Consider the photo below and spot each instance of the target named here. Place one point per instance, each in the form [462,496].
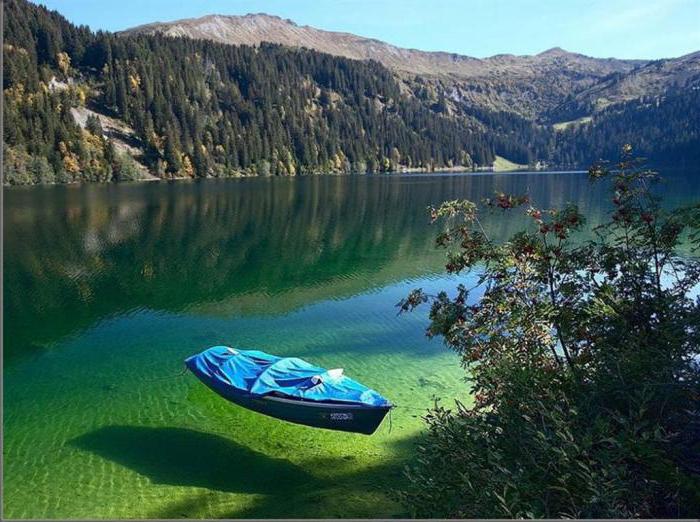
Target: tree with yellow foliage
[63,61]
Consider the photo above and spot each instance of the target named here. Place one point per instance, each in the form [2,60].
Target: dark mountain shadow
[183,457]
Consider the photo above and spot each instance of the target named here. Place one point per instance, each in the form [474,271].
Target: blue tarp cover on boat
[258,374]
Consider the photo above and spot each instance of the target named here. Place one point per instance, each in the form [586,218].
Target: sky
[602,28]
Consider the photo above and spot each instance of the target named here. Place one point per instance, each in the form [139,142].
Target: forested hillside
[533,107]
[199,108]
[665,129]
[94,106]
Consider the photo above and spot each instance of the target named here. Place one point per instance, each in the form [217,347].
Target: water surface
[108,288]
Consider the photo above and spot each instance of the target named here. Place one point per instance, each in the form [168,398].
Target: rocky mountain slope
[652,81]
[252,29]
[527,85]
[97,106]
[534,98]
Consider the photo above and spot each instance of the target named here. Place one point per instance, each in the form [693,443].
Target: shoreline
[404,172]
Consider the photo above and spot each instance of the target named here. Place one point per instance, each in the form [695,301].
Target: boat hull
[352,418]
[332,416]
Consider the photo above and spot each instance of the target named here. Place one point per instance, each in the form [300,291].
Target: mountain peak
[555,51]
[255,28]
[261,16]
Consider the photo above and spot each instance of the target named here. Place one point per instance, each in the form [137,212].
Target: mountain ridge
[253,28]
[530,86]
[83,105]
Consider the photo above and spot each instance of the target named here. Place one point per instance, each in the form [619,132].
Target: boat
[290,389]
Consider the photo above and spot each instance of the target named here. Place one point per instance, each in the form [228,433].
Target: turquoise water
[108,288]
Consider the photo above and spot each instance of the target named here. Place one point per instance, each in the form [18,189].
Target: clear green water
[108,288]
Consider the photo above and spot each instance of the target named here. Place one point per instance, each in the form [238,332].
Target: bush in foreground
[582,356]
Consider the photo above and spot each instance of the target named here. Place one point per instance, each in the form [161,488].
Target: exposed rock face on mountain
[252,29]
[552,90]
[652,80]
[305,101]
[527,85]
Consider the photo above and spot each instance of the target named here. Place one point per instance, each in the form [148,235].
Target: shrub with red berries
[580,356]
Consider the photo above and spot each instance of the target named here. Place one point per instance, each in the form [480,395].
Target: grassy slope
[501,164]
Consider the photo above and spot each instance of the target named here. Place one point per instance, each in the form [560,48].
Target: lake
[107,288]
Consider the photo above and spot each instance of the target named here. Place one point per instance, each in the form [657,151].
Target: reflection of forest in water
[76,255]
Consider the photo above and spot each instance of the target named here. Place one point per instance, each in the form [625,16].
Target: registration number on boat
[341,416]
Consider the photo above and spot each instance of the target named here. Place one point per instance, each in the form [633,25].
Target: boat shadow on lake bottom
[184,457]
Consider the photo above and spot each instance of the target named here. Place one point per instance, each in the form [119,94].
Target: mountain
[654,79]
[526,85]
[195,108]
[253,29]
[548,100]
[258,95]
